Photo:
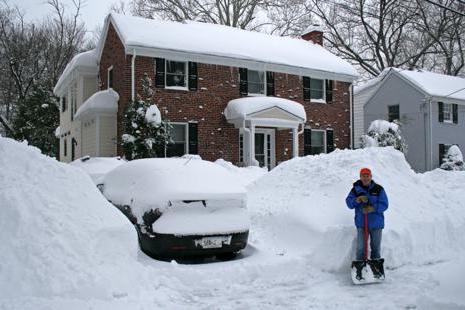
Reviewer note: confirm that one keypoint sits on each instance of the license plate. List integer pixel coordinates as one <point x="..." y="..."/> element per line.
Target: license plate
<point x="213" y="242"/>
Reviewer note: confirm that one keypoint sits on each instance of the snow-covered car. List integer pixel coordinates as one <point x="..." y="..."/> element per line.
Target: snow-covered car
<point x="97" y="167"/>
<point x="181" y="206"/>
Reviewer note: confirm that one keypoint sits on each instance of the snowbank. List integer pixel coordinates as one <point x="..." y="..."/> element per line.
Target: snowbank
<point x="97" y="167"/>
<point x="59" y="237"/>
<point x="246" y="175"/>
<point x="299" y="207"/>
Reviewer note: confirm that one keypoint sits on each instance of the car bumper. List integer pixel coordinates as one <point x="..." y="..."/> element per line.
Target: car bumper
<point x="171" y="246"/>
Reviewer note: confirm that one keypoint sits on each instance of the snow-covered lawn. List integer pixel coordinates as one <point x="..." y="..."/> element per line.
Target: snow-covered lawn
<point x="62" y="246"/>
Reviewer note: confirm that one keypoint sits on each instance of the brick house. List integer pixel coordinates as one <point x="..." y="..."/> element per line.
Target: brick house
<point x="247" y="97"/>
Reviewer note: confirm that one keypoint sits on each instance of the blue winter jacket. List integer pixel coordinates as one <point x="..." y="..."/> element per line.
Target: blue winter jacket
<point x="376" y="198"/>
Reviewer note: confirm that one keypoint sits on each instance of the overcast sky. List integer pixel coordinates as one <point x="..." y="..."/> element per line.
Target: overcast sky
<point x="92" y="14"/>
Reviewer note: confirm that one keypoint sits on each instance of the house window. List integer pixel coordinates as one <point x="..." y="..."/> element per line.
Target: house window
<point x="393" y="112"/>
<point x="317" y="89"/>
<point x="65" y="147"/>
<point x="318" y="142"/>
<point x="176" y="74"/>
<point x="73" y="100"/>
<point x="447" y="112"/>
<point x="256" y="82"/>
<point x="110" y="77"/>
<point x="63" y="104"/>
<point x="179" y="136"/>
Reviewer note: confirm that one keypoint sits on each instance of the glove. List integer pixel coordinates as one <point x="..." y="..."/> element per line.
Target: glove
<point x="368" y="209"/>
<point x="361" y="199"/>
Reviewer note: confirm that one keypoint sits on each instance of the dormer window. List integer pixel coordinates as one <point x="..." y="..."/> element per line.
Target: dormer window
<point x="256" y="82"/>
<point x="176" y="74"/>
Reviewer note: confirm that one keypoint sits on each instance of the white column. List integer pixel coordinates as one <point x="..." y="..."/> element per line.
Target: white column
<point x="295" y="143"/>
<point x="252" y="144"/>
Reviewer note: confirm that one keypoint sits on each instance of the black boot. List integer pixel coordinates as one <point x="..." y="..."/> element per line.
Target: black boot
<point x="377" y="267"/>
<point x="359" y="265"/>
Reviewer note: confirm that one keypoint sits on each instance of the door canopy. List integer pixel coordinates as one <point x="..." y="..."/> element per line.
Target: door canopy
<point x="265" y="111"/>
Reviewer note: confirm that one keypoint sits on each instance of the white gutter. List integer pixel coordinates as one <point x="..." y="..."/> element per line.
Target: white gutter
<point x="431" y="133"/>
<point x="351" y="116"/>
<point x="133" y="73"/>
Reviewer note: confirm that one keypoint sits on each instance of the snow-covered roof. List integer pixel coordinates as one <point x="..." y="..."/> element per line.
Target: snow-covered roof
<point x="437" y="85"/>
<point x="433" y="84"/>
<point x="102" y="102"/>
<point x="243" y="107"/>
<point x="86" y="61"/>
<point x="146" y="184"/>
<point x="224" y="45"/>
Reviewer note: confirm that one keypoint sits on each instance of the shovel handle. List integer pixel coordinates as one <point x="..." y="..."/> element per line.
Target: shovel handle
<point x="365" y="239"/>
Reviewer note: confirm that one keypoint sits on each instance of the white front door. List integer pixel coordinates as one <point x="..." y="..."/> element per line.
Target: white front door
<point x="265" y="147"/>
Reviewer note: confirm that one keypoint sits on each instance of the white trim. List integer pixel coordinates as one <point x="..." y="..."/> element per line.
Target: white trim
<point x="271" y="132"/>
<point x="186" y="73"/>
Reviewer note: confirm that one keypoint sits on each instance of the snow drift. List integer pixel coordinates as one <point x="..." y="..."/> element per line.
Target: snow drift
<point x="58" y="235"/>
<point x="299" y="208"/>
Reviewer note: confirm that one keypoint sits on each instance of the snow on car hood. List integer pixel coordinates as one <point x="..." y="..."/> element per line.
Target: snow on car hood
<point x="146" y="184"/>
<point x="217" y="217"/>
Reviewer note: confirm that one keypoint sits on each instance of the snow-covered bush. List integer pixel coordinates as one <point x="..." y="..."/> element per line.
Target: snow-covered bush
<point x="384" y="133"/>
<point x="145" y="133"/>
<point x="453" y="159"/>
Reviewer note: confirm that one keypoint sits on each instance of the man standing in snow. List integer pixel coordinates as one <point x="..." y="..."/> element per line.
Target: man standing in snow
<point x="367" y="197"/>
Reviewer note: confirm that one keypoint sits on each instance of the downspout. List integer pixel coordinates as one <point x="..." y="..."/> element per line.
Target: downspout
<point x="298" y="134"/>
<point x="351" y="111"/>
<point x="431" y="133"/>
<point x="243" y="141"/>
<point x="133" y="73"/>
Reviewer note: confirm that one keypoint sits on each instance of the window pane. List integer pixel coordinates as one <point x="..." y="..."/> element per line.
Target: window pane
<point x="175" y="73"/>
<point x="256" y="82"/>
<point x="447" y="112"/>
<point x="178" y="133"/>
<point x="393" y="113"/>
<point x="318" y="142"/>
<point x="316" y="89"/>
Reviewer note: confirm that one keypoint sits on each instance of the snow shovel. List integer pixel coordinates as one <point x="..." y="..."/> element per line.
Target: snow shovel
<point x="360" y="272"/>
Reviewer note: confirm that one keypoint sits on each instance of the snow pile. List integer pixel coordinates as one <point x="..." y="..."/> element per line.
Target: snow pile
<point x="246" y="175"/>
<point x="147" y="184"/>
<point x="105" y="101"/>
<point x="153" y="115"/>
<point x="383" y="133"/>
<point x="299" y="208"/>
<point x="453" y="159"/>
<point x="58" y="236"/>
<point x="194" y="218"/>
<point x="97" y="167"/>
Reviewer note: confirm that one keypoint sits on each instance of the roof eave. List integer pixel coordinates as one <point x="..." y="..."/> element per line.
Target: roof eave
<point x="234" y="61"/>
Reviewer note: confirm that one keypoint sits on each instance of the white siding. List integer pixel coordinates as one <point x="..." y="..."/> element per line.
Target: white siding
<point x="107" y="136"/>
<point x="360" y="99"/>
<point x="90" y="87"/>
<point x="89" y="138"/>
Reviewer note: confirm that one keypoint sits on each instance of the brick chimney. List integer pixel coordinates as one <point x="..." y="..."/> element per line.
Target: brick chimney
<point x="313" y="33"/>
